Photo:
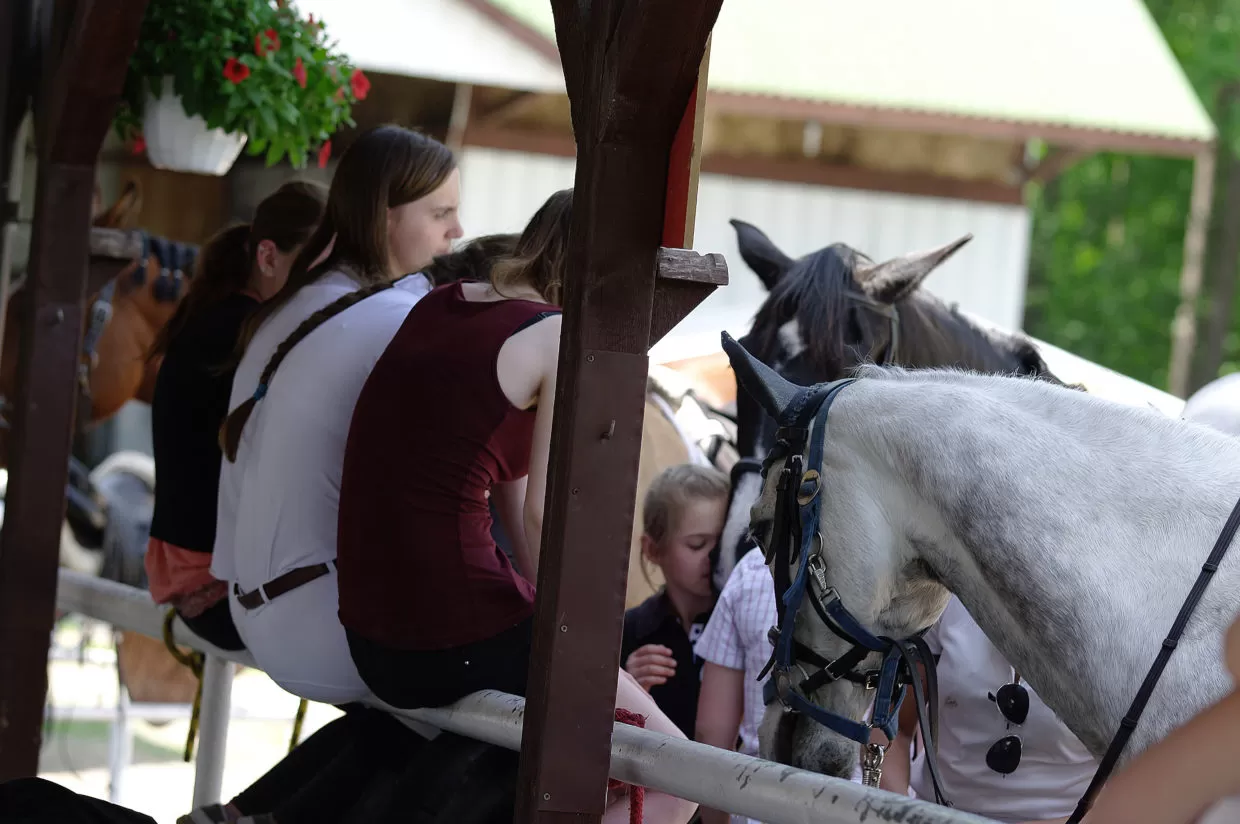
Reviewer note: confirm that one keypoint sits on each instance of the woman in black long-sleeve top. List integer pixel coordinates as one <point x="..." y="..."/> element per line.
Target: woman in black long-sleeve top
<point x="239" y="267"/>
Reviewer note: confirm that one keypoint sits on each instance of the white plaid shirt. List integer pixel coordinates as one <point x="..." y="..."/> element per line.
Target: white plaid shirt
<point x="736" y="635"/>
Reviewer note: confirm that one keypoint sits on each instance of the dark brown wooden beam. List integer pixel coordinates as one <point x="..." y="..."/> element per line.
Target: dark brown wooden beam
<point x="909" y="120"/>
<point x="811" y="172"/>
<point x="82" y="84"/>
<point x="630" y="67"/>
<point x="872" y="180"/>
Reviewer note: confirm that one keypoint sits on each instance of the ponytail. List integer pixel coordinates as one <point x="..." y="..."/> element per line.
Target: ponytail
<point x="223" y="267"/>
<point x="234" y="424"/>
<point x="299" y="275"/>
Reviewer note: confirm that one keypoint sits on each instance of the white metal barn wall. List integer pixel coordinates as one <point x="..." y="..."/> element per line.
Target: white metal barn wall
<point x="502" y="189"/>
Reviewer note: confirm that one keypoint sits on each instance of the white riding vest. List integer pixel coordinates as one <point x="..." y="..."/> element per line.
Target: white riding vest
<point x="278" y="503"/>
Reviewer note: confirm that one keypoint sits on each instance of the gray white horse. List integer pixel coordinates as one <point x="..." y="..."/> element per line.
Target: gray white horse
<point x="1072" y="529"/>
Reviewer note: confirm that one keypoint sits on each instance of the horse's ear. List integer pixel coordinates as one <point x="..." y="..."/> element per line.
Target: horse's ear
<point x="897" y="278"/>
<point x="760" y="254"/>
<point x="770" y="389"/>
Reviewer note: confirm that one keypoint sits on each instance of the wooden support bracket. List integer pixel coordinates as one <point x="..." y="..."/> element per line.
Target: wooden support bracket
<point x="683" y="280"/>
<point x="112" y="251"/>
<point x="117" y="244"/>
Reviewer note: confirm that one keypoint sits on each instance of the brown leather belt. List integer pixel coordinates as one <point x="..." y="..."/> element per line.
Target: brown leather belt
<point x="281" y="585"/>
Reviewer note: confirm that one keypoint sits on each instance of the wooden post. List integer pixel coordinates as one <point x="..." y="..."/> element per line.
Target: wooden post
<point x="458" y="121"/>
<point x="81" y="86"/>
<point x="1184" y="325"/>
<point x="630" y="67"/>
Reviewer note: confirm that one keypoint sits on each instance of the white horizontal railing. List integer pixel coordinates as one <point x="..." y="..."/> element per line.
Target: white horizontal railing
<point x="721" y="779"/>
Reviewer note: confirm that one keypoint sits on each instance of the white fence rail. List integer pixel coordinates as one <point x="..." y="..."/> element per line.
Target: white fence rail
<point x="721" y="779"/>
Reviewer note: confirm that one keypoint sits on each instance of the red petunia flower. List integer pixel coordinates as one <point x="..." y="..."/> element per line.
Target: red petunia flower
<point x="299" y="73"/>
<point x="360" y="84"/>
<point x="268" y="41"/>
<point x="139" y="145"/>
<point x="235" y="70"/>
<point x="325" y="153"/>
<point x="310" y="22"/>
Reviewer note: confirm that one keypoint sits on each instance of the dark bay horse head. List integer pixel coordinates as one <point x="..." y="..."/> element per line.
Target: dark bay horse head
<point x="835" y="309"/>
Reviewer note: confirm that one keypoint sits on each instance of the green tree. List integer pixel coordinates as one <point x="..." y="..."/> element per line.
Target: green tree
<point x="1108" y="234"/>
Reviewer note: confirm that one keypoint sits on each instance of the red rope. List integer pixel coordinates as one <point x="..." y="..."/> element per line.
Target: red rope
<point x="637" y="795"/>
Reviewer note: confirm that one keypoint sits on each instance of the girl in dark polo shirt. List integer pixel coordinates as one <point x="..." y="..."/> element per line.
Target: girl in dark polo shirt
<point x="455" y="414"/>
<point x="682" y="516"/>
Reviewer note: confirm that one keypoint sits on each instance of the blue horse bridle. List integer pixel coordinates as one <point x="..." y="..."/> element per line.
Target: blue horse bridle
<point x="796" y="537"/>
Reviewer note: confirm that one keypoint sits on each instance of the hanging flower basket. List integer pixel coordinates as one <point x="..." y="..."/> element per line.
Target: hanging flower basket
<point x="181" y="143"/>
<point x="211" y="77"/>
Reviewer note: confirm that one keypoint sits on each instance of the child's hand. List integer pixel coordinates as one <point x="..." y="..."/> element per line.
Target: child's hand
<point x="651" y="665"/>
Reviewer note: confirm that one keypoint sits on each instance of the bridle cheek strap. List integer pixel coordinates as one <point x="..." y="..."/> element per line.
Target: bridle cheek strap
<point x="795" y="538"/>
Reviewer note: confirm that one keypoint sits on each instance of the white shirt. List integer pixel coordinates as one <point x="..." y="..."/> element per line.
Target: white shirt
<point x="1226" y="811"/>
<point x="736" y="635"/>
<point x="1055" y="768"/>
<point x="278" y="502"/>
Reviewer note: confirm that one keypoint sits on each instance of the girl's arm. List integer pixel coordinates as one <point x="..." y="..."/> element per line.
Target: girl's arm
<point x="898" y="759"/>
<point x="548" y="349"/>
<point x="510" y="506"/>
<point x="721" y="706"/>
<point x="1176" y="780"/>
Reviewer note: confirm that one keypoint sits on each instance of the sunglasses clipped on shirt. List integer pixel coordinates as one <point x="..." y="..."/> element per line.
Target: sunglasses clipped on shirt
<point x="1013" y="703"/>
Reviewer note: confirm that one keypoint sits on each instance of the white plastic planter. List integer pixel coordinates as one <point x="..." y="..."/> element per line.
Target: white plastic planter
<point x="181" y="143"/>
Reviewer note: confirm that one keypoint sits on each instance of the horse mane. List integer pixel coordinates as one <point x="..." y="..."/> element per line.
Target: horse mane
<point x="813" y="293"/>
<point x="939" y="335"/>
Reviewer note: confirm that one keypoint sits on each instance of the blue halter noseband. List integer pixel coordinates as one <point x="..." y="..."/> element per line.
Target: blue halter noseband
<point x="796" y="538"/>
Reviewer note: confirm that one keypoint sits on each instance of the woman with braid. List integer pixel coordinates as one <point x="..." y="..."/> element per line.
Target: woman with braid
<point x="391" y="209"/>
<point x="457" y="413"/>
<point x="240" y="267"/>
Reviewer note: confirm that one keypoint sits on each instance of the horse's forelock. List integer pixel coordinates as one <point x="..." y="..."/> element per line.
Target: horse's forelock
<point x="814" y="293"/>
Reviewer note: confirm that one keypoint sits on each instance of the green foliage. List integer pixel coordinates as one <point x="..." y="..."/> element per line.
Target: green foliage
<point x="252" y="66"/>
<point x="1108" y="235"/>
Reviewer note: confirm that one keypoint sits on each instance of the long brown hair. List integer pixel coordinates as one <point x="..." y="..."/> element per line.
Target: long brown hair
<point x="286" y="217"/>
<point x="386" y="167"/>
<point x="541" y="255"/>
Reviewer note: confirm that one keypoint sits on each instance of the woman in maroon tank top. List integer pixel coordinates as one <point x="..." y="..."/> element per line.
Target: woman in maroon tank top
<point x="457" y="411"/>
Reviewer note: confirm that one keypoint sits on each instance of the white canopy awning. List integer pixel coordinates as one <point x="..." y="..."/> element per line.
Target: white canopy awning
<point x="437" y="39"/>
